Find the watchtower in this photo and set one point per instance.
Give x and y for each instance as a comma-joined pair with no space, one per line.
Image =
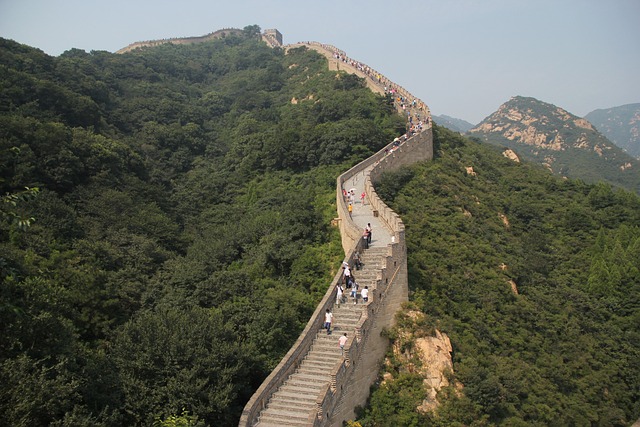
275,35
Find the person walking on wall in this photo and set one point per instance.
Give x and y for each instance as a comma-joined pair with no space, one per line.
369,233
362,196
356,260
347,275
354,292
339,292
328,317
342,341
365,294
365,238
350,210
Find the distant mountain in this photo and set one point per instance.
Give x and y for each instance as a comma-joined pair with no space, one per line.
621,125
564,143
451,123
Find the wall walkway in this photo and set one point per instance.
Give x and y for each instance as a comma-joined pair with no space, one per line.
316,384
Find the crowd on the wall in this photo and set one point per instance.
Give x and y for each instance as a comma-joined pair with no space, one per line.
418,114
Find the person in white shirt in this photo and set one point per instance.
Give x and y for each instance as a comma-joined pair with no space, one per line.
342,341
365,294
328,317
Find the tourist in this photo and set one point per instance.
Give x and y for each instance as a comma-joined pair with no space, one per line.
356,260
354,292
342,341
365,294
328,317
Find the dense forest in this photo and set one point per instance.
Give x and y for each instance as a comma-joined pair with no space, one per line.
560,348
164,238
165,223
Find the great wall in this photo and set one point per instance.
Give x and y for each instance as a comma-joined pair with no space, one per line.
316,384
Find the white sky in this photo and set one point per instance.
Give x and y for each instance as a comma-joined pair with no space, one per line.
464,58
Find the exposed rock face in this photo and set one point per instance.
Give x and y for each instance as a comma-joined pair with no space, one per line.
510,154
429,356
435,353
565,144
540,125
514,287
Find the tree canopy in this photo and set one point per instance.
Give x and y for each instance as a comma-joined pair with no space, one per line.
179,237
535,279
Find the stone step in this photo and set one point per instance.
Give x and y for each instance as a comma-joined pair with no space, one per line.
308,380
321,356
303,384
304,392
287,418
314,377
326,352
374,263
292,405
312,367
326,345
317,364
293,399
315,372
348,317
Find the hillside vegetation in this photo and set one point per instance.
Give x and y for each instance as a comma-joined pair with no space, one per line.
621,125
179,205
535,279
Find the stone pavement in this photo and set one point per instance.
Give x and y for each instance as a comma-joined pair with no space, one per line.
363,213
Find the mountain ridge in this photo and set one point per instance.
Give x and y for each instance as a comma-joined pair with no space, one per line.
621,125
564,143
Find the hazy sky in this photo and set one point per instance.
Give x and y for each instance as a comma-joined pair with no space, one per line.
464,58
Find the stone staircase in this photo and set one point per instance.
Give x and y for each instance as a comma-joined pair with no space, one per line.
295,401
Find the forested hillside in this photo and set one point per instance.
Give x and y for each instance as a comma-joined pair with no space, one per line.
535,279
174,237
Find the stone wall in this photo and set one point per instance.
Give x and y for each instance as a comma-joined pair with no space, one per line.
182,40
352,377
367,349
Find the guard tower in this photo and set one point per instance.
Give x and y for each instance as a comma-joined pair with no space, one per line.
274,36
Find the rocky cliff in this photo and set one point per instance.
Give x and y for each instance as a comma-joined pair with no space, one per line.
564,143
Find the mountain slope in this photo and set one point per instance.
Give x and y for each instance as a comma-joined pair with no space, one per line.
182,232
534,279
621,125
564,143
451,123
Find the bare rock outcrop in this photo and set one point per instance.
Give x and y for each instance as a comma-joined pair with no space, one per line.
435,353
429,356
